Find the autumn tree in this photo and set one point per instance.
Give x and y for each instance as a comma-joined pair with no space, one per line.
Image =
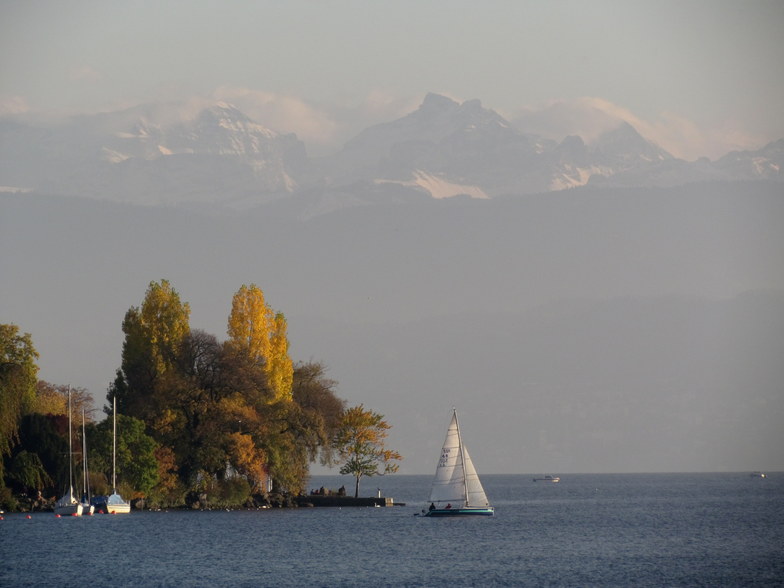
279,367
53,399
223,411
248,460
49,400
360,445
153,334
255,329
250,322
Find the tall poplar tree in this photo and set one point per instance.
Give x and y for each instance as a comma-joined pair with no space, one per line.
250,322
279,367
257,331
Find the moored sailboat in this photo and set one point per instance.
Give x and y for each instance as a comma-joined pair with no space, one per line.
87,508
456,488
68,505
115,503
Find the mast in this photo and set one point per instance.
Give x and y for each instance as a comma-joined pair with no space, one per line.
85,489
70,445
114,443
462,457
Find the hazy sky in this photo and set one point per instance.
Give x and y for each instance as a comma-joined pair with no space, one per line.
699,77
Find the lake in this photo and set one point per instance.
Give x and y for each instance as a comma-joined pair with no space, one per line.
587,530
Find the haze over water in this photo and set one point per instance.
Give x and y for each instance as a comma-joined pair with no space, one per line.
600,329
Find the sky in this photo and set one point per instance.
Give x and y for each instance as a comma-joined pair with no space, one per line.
700,77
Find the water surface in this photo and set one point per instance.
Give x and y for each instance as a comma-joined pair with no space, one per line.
587,530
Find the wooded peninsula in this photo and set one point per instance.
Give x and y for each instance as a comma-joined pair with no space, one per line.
200,423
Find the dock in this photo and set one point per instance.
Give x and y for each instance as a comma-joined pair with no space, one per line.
335,500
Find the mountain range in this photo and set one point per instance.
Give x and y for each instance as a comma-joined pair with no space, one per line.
155,154
633,322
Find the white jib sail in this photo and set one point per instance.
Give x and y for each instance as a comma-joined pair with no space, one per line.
476,494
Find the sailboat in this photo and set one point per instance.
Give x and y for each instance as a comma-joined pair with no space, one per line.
456,488
87,508
115,503
68,505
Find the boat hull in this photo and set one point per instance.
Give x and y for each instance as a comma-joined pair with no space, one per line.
68,510
116,505
456,512
111,505
118,508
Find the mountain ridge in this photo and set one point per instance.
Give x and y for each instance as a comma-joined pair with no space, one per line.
217,155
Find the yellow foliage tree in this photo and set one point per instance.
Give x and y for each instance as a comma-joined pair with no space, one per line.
250,322
165,320
153,335
256,330
279,367
360,443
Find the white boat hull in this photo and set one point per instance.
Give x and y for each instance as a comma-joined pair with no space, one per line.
116,505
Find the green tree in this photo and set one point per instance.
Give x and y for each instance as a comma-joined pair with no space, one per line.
18,376
360,445
46,436
137,467
321,410
28,472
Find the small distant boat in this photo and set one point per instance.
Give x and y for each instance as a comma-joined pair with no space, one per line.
758,475
68,505
553,479
456,487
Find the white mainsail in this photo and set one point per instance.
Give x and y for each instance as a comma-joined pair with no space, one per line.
456,481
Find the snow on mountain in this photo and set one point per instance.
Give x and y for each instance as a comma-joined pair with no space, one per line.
463,144
439,188
169,154
139,156
624,146
468,145
767,163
